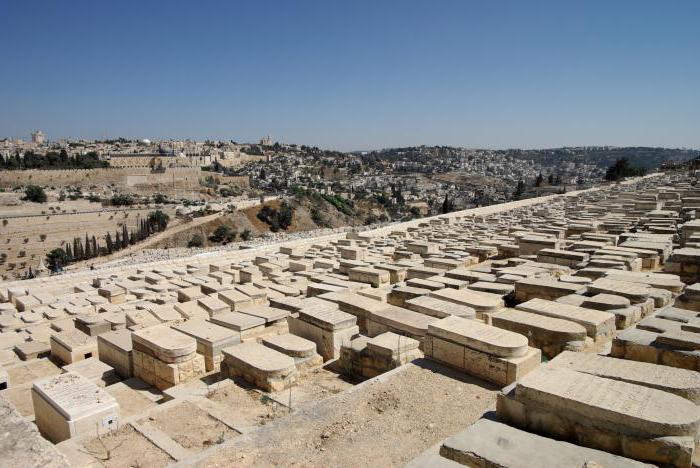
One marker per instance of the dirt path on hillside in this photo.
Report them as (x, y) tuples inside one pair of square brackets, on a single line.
[(151, 241)]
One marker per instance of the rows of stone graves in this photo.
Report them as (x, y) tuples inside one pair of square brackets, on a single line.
[(583, 308)]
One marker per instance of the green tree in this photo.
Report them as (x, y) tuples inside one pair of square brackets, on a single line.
[(195, 241), (56, 259), (34, 193), (540, 180), (158, 220), (621, 169), (122, 199), (448, 205), (223, 233), (519, 190), (246, 234)]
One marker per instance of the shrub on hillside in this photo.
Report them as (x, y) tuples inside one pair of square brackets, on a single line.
[(34, 193)]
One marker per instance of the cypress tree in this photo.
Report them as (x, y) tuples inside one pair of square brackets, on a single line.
[(88, 250), (125, 236)]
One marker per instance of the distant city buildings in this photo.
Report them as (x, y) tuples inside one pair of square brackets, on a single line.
[(38, 137)]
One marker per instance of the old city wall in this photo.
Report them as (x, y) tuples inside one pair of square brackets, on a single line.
[(134, 179)]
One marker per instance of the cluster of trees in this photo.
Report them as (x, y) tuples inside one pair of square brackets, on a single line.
[(156, 221), (222, 234), (277, 219), (52, 160), (34, 193), (621, 169), (122, 199)]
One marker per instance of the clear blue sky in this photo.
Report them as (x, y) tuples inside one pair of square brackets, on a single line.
[(355, 74)]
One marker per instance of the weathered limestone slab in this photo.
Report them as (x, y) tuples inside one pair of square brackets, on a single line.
[(425, 284), (668, 282), (373, 276), (267, 369), (191, 310), (213, 305), (481, 302), (438, 308), (681, 382), (236, 299), (399, 296), (211, 339), (470, 276), (355, 304), (271, 315), (94, 370), (259, 296), (600, 326), (247, 325), (544, 288), (397, 273), (73, 345), (531, 245), (70, 405), (189, 294), (367, 357), (92, 325), (623, 418), (115, 349), (115, 294), (481, 337), (328, 327), (22, 444), (303, 351), (480, 350), (164, 343), (490, 443), (635, 292), (398, 320), (562, 257), (551, 335), (448, 282), (32, 350)]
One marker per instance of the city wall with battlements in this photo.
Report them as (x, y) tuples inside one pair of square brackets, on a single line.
[(132, 179)]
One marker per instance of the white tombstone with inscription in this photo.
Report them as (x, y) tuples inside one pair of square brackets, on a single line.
[(68, 405)]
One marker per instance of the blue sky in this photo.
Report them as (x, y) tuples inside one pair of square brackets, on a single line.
[(355, 74)]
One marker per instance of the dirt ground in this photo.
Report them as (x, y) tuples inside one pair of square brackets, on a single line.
[(248, 408), (311, 387), (384, 422), (126, 448), (190, 426)]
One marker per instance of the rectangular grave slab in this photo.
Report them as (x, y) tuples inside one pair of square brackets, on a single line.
[(599, 325), (69, 405), (115, 350), (211, 339), (73, 345), (267, 369), (480, 350), (551, 335), (491, 443), (622, 418), (438, 308), (681, 382)]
